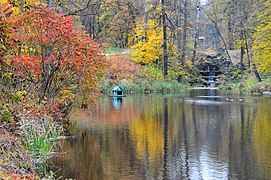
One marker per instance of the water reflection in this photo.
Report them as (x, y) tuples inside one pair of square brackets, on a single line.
[(171, 137), (117, 101), (165, 176), (262, 138)]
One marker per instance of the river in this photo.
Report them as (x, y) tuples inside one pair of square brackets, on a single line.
[(200, 134)]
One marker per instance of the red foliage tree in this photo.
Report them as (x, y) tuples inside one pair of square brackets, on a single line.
[(5, 30), (55, 55)]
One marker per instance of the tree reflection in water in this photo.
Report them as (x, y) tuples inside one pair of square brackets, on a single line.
[(171, 137)]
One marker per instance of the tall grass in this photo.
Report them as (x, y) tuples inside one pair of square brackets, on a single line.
[(39, 139)]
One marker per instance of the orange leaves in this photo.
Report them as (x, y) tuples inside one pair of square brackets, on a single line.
[(121, 67), (54, 54), (5, 29), (5, 10), (41, 24), (28, 62)]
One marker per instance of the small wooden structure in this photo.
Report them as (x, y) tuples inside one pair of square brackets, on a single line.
[(118, 92)]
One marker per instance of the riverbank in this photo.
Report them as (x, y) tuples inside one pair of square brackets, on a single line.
[(247, 84), (131, 87), (14, 160), (137, 78), (26, 146)]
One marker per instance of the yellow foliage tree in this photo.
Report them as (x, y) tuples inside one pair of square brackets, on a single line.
[(19, 5), (262, 40), (147, 44)]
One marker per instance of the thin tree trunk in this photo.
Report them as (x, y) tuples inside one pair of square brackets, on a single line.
[(184, 40), (231, 22), (230, 35), (246, 36), (22, 6), (165, 53), (196, 33), (258, 77), (93, 27), (184, 34), (242, 52), (146, 16)]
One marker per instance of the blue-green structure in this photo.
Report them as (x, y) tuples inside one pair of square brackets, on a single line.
[(118, 92)]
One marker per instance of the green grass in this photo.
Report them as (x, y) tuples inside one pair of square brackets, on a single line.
[(40, 144), (248, 84), (113, 50)]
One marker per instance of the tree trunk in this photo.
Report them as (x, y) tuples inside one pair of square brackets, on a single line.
[(196, 33), (258, 77), (146, 15), (242, 51), (184, 39), (165, 53), (230, 35), (22, 6), (242, 57), (231, 23), (184, 34)]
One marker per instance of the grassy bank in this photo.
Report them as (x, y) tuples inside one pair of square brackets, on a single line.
[(248, 84), (26, 146)]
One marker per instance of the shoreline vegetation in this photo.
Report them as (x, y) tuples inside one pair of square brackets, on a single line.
[(27, 144), (134, 78)]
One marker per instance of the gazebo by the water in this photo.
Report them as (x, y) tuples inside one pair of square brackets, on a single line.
[(118, 92)]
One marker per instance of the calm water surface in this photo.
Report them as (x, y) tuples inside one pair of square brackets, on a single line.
[(203, 134)]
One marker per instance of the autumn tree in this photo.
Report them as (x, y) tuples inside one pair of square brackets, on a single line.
[(108, 21), (5, 30), (5, 48), (55, 58), (147, 45), (262, 40)]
